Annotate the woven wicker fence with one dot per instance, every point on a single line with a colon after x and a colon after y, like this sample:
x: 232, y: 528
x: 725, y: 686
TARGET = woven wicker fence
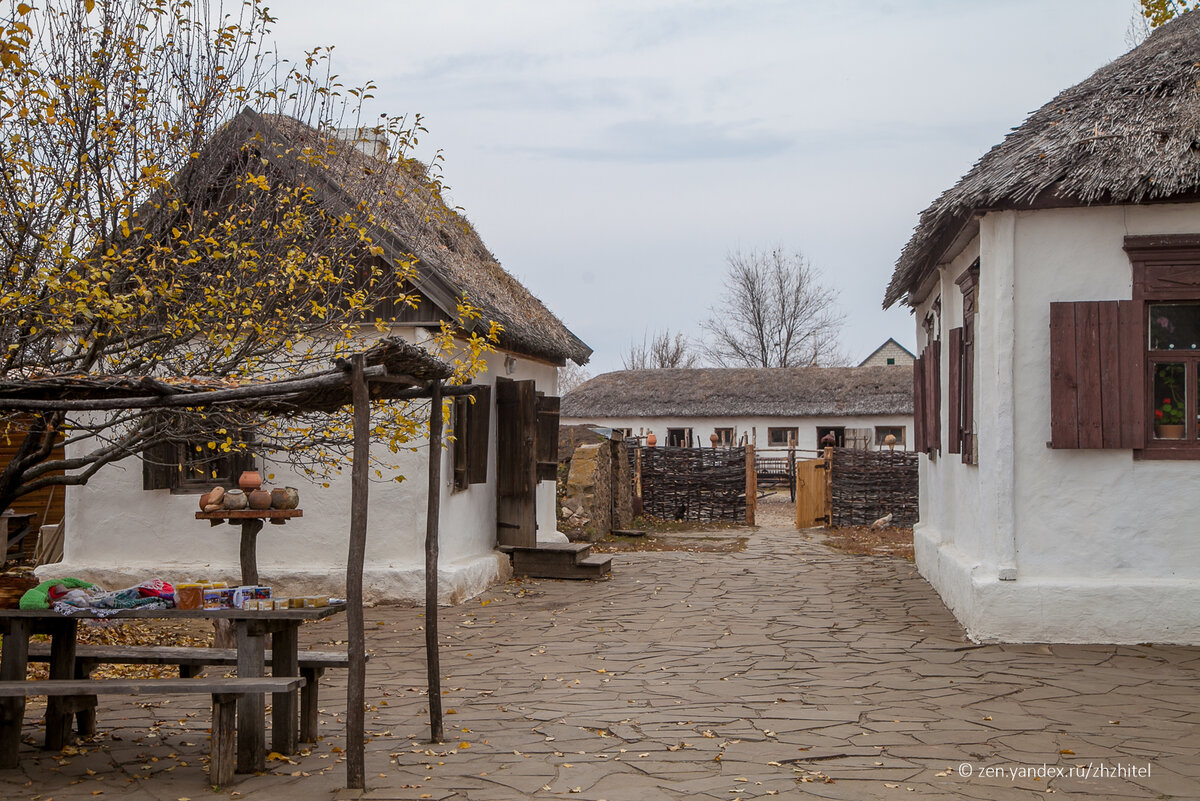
x: 694, y: 483
x: 868, y: 485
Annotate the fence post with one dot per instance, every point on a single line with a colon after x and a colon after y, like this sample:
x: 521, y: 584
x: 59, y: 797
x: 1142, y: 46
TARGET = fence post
x: 829, y: 485
x: 751, y: 486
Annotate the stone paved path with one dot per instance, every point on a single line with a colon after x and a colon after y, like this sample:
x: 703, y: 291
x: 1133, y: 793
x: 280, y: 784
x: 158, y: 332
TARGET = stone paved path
x: 784, y: 671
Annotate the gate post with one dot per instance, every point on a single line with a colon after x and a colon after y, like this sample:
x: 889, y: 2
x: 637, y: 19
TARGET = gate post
x: 751, y: 486
x: 829, y: 485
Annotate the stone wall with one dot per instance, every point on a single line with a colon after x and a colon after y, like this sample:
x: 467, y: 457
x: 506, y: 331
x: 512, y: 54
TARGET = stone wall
x: 599, y: 492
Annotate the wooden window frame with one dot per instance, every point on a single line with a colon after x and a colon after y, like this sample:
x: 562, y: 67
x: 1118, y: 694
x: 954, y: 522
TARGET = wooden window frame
x: 470, y: 427
x: 1166, y: 269
x: 783, y: 443
x: 722, y: 440
x: 687, y: 437
x: 962, y: 369
x: 882, y: 431
x: 164, y: 466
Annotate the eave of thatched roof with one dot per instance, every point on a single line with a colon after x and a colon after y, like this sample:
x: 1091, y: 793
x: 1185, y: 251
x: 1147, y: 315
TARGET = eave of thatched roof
x: 742, y: 392
x: 1130, y: 133
x: 413, y: 221
x: 400, y: 370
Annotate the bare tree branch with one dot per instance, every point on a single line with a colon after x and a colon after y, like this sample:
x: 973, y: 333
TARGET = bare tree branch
x: 664, y: 350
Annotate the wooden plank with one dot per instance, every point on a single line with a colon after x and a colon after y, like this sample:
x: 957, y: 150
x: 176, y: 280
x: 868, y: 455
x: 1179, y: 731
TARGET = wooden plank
x: 751, y: 486
x: 251, y: 734
x: 1064, y: 417
x: 62, y: 666
x: 1132, y: 375
x: 919, y: 403
x: 954, y: 401
x: 810, y: 493
x: 1110, y: 374
x: 355, y: 558
x: 236, y: 685
x: 968, y: 392
x: 1087, y: 375
x: 935, y: 394
x: 285, y: 706
x: 516, y: 476
x: 182, y: 655
x: 546, y: 437
x: 14, y: 651
x: 433, y: 672
x: 222, y: 757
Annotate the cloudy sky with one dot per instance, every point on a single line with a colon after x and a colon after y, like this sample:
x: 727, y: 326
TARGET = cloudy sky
x: 612, y: 154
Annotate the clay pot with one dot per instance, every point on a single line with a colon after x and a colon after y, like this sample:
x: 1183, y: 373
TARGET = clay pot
x: 204, y: 501
x: 260, y: 499
x: 249, y: 481
x: 285, y: 498
x: 651, y: 440
x: 235, y: 499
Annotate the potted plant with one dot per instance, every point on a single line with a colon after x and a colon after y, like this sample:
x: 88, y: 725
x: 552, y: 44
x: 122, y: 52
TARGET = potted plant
x: 1168, y: 419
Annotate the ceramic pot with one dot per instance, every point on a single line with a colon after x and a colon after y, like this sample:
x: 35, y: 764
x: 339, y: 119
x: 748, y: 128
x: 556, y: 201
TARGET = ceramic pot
x: 1169, y: 431
x: 285, y: 498
x: 259, y: 499
x: 235, y: 499
x: 651, y: 440
x: 249, y: 481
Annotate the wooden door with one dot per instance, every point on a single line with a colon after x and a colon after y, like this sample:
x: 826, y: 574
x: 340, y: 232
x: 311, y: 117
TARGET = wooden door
x: 516, y: 463
x: 810, y: 493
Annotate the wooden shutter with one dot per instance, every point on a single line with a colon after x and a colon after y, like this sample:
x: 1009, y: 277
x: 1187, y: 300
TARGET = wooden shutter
x: 1097, y: 375
x: 477, y: 429
x: 930, y: 417
x: 159, y: 466
x: 547, y: 437
x: 954, y: 401
x: 516, y: 466
x: 919, y: 403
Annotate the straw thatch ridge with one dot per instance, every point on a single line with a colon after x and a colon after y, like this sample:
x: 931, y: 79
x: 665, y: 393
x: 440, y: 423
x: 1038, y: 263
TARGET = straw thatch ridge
x: 410, y: 220
x: 744, y: 391
x: 1130, y: 133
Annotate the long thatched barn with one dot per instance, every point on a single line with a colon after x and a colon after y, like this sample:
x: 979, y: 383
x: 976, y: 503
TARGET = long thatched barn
x: 770, y: 407
x: 1056, y: 290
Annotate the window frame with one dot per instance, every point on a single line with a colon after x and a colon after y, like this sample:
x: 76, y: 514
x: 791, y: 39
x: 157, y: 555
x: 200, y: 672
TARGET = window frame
x: 1166, y: 269
x: 882, y: 431
x: 165, y: 464
x: 722, y: 440
x: 773, y: 442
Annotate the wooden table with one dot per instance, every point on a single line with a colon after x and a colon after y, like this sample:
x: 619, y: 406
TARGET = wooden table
x: 252, y: 627
x: 251, y: 521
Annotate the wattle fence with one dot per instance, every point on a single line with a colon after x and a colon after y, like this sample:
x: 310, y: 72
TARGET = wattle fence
x: 868, y: 485
x: 691, y: 483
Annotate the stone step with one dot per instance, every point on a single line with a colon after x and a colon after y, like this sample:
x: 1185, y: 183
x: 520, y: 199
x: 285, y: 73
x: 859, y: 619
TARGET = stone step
x: 562, y: 561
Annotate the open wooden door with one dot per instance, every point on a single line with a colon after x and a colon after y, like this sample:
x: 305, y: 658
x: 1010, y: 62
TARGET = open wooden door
x: 810, y: 493
x: 516, y: 463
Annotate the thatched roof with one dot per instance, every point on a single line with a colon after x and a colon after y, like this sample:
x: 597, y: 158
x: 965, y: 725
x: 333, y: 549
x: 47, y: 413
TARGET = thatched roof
x: 411, y: 219
x: 1130, y: 133
x: 741, y: 392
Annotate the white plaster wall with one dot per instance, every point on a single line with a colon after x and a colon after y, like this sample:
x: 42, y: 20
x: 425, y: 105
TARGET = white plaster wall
x: 1103, y: 547
x: 118, y: 534
x: 703, y: 427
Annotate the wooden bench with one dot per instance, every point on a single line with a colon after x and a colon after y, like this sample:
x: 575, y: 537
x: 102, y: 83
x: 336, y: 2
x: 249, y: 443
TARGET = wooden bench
x: 191, y: 660
x: 224, y: 691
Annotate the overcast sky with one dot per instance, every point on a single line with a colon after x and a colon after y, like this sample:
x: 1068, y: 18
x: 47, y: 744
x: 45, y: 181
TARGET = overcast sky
x: 611, y: 154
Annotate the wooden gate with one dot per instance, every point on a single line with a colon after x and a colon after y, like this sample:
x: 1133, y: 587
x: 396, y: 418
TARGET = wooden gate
x: 811, y: 508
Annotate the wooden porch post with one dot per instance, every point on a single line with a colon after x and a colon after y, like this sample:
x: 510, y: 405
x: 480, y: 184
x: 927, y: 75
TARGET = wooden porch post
x: 432, y: 657
x: 359, y: 486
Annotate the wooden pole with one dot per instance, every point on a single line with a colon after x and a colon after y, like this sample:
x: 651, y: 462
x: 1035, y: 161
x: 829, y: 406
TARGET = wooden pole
x: 433, y: 664
x: 829, y: 485
x: 751, y: 486
x: 359, y: 489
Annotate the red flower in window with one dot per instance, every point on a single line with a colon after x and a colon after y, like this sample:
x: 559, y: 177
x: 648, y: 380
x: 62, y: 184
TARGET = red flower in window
x: 1166, y: 401
x: 1158, y: 413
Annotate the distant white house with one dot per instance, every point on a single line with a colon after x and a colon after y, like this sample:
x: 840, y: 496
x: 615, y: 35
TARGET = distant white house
x: 134, y: 520
x: 771, y: 408
x: 890, y: 352
x: 1056, y: 290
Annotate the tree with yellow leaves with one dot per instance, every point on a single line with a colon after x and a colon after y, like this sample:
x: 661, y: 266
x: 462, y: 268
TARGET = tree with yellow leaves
x: 175, y: 201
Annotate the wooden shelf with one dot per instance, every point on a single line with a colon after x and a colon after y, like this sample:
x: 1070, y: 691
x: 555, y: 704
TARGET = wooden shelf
x: 250, y: 514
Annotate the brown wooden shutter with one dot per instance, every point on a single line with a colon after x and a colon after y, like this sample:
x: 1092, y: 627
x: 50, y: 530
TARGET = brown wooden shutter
x: 919, y: 403
x: 954, y: 401
x: 1097, y: 375
x: 159, y: 468
x: 547, y: 437
x: 967, y: 412
x: 477, y: 429
x: 516, y: 466
x: 933, y: 397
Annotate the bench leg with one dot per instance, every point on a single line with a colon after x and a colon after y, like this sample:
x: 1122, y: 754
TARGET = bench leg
x: 85, y: 716
x: 308, y: 704
x: 224, y: 738
x: 13, y: 660
x: 62, y: 666
x: 284, y: 707
x: 251, y: 707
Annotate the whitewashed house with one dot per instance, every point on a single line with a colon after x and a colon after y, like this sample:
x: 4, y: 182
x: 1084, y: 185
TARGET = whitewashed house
x: 1056, y: 290
x: 769, y: 407
x: 135, y: 519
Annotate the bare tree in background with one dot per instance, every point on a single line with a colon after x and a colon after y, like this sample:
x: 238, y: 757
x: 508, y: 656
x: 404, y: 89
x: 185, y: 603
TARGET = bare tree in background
x: 776, y: 313
x: 664, y: 350
x: 570, y: 376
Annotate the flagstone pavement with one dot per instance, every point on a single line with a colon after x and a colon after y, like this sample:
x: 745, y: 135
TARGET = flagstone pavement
x: 787, y: 670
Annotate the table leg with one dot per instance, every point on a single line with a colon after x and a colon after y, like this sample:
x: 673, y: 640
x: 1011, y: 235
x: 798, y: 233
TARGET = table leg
x: 251, y: 708
x: 59, y: 710
x: 248, y: 551
x: 285, y: 644
x: 14, y: 658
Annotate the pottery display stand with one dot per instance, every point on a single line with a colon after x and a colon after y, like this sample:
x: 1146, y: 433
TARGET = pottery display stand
x: 251, y: 521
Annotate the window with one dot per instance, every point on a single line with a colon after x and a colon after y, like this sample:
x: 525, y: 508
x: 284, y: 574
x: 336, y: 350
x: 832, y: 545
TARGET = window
x: 891, y: 360
x: 961, y: 387
x: 838, y: 432
x: 882, y: 432
x: 679, y: 437
x: 622, y: 433
x: 724, y: 436
x: 782, y: 437
x: 187, y: 467
x: 1125, y: 374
